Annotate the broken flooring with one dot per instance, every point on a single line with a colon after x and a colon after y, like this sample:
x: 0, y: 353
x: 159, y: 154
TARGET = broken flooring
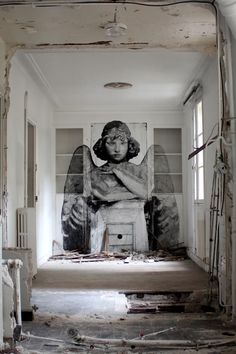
x: 90, y: 298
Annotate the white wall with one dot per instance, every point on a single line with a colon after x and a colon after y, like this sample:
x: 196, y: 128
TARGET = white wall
x: 40, y: 112
x: 154, y: 119
x: 209, y: 80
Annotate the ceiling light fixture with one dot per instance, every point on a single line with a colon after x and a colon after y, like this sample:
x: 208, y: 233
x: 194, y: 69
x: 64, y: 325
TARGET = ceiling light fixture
x: 118, y: 85
x: 114, y: 28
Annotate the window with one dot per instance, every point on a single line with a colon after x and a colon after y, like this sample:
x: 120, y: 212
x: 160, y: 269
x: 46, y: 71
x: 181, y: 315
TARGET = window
x: 198, y: 162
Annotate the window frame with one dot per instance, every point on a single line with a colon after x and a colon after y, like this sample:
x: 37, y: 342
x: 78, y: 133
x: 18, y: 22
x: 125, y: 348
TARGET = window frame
x: 198, y: 165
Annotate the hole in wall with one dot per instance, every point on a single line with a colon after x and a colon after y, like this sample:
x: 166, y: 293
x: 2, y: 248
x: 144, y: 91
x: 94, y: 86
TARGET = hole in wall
x: 229, y: 334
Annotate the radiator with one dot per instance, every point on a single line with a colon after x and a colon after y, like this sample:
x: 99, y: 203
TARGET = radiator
x: 22, y: 228
x: 26, y: 232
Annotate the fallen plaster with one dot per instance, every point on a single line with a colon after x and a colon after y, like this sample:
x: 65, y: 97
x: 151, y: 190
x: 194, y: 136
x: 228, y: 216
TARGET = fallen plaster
x: 176, y: 254
x: 170, y: 333
x: 172, y: 301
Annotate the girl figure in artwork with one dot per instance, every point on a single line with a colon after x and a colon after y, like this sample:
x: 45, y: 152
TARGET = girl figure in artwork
x: 118, y: 179
x: 86, y: 203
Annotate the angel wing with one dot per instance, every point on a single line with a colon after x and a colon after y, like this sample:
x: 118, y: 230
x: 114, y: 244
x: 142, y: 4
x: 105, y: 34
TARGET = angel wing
x: 161, y: 183
x: 75, y: 214
x: 78, y: 177
x: 163, y: 221
x: 147, y: 165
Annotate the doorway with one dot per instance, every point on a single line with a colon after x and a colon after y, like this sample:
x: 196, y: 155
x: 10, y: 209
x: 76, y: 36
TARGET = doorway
x: 31, y: 165
x: 30, y: 195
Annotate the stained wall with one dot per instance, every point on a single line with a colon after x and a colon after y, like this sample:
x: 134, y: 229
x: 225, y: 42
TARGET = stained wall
x: 40, y: 113
x: 2, y: 73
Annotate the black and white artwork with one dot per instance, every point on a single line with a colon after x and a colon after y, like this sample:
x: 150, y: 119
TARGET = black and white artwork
x: 117, y: 197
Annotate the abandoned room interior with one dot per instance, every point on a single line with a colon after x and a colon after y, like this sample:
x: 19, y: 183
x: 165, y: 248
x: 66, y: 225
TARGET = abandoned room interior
x: 117, y: 170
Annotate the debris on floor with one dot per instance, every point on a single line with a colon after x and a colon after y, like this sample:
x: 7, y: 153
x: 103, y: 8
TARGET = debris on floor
x: 176, y: 254
x: 171, y: 301
x: 190, y: 334
x: 142, y: 342
x: 93, y: 300
x: 16, y: 350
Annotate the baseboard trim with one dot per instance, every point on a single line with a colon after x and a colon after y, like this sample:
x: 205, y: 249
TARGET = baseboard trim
x: 198, y: 260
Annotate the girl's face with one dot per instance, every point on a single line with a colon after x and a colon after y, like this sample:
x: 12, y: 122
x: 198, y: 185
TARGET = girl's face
x: 117, y: 148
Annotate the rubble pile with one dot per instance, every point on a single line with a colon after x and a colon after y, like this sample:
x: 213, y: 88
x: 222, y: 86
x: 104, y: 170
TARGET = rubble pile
x: 176, y: 254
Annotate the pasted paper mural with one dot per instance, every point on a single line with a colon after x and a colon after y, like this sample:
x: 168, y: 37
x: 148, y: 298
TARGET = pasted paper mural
x: 117, y: 197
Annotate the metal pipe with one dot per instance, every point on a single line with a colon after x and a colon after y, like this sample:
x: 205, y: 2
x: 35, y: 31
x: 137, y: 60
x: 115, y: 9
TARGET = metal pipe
x: 232, y: 102
x: 14, y: 266
x: 58, y: 3
x: 17, y: 295
x: 25, y: 150
x: 231, y: 98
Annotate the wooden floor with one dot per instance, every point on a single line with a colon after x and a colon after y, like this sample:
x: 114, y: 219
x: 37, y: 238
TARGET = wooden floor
x: 160, y: 276
x: 88, y: 297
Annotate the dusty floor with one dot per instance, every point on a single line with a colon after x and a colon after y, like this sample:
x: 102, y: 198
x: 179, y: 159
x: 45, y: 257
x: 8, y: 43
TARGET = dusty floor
x: 117, y: 275
x: 86, y: 298
x: 196, y: 328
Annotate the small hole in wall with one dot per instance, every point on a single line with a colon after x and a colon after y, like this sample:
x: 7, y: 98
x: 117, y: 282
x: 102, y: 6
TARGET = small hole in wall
x: 230, y: 334
x: 119, y: 236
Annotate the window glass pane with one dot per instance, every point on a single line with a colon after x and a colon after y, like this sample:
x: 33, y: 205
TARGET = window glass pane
x: 198, y: 161
x: 200, y: 183
x: 199, y: 118
x: 195, y: 185
x: 200, y: 158
x: 199, y: 125
x: 199, y: 109
x: 200, y: 140
x: 194, y: 124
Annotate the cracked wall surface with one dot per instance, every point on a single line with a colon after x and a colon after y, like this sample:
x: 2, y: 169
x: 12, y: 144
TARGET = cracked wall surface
x: 8, y: 308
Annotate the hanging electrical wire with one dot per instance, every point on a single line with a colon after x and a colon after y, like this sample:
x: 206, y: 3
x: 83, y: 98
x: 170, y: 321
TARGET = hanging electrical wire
x: 56, y: 3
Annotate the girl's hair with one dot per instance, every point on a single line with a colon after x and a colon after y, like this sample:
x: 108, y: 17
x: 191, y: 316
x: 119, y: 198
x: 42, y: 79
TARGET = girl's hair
x: 100, y: 149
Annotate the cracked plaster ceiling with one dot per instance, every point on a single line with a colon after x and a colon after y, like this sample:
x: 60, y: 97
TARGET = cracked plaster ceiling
x: 51, y: 37
x: 152, y: 27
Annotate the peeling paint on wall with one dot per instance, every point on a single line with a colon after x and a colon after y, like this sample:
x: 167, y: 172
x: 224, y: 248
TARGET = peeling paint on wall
x: 26, y: 273
x: 65, y: 45
x: 8, y: 308
x: 5, y: 108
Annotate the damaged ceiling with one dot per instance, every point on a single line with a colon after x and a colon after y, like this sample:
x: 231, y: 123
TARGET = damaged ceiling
x: 41, y: 23
x: 58, y: 37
